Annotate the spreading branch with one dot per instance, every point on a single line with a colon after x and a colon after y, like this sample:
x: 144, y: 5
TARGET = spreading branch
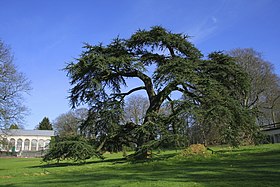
x: 123, y: 95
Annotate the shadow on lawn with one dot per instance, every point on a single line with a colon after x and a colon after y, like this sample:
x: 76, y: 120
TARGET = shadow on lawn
x: 65, y: 164
x: 9, y: 185
x: 157, y: 157
x: 253, y: 169
x: 208, y: 173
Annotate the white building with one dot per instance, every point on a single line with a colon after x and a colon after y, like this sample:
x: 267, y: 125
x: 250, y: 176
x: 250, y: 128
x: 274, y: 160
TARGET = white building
x: 20, y: 140
x: 273, y: 133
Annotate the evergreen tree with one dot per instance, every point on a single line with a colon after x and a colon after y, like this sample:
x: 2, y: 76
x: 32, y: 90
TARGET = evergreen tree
x: 14, y: 126
x: 211, y: 87
x: 45, y: 124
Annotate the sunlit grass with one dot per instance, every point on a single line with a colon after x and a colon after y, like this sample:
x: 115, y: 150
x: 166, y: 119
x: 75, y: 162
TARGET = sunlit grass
x: 246, y: 166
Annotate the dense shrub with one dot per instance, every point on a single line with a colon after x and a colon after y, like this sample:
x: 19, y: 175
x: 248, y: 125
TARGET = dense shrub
x: 75, y: 149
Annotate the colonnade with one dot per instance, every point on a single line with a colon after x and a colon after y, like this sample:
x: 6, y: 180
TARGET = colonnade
x: 27, y: 144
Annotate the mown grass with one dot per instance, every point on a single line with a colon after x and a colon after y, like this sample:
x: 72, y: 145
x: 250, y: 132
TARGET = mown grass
x: 246, y: 166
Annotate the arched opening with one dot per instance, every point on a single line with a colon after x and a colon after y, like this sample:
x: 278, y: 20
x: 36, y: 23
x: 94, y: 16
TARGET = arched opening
x: 19, y: 144
x: 33, y: 145
x: 26, y: 144
x: 41, y: 144
x: 12, y: 144
x: 5, y: 144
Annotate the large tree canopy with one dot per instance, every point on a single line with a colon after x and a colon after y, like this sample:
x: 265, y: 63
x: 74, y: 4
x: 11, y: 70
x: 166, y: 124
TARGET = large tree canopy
x: 165, y: 63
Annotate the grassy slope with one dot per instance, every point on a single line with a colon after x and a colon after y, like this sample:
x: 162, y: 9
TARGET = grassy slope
x: 247, y: 166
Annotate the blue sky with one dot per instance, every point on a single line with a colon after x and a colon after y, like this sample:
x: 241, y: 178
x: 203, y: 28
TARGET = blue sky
x: 45, y: 35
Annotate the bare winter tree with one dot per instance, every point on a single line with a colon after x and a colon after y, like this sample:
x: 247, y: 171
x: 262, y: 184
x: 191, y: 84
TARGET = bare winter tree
x: 264, y: 94
x: 271, y: 103
x: 13, y: 85
x: 135, y: 109
x: 69, y: 123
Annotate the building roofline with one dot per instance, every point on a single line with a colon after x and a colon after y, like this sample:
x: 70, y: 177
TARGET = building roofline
x: 23, y: 132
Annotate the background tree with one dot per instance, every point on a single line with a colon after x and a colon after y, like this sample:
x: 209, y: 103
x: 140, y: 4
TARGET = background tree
x: 271, y: 104
x: 264, y: 95
x: 45, y: 124
x: 14, y: 126
x: 135, y: 109
x: 13, y: 86
x: 101, y: 72
x: 68, y: 124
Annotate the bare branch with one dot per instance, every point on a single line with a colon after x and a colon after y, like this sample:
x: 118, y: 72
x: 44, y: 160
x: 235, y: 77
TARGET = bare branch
x: 172, y: 53
x: 145, y: 79
x: 171, y: 104
x: 122, y: 95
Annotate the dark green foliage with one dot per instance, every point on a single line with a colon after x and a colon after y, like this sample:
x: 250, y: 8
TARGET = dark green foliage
x: 211, y: 90
x: 45, y: 124
x: 72, y: 148
x: 124, y: 136
x: 14, y: 126
x: 102, y: 123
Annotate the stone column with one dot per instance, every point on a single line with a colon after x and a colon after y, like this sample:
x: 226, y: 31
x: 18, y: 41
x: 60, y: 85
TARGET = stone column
x: 16, y: 144
x: 37, y: 144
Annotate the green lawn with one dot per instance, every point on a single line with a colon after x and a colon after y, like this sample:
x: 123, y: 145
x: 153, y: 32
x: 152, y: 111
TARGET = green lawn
x: 246, y: 166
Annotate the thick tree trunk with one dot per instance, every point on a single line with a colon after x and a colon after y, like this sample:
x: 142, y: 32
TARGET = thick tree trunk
x: 156, y: 101
x: 101, y: 145
x: 143, y: 152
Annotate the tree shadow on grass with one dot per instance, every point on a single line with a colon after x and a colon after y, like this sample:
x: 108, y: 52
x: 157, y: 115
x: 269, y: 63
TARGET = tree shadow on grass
x: 157, y: 157
x: 8, y: 185
x: 229, y: 172
x: 248, y: 153
x: 251, y: 169
x: 72, y: 163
